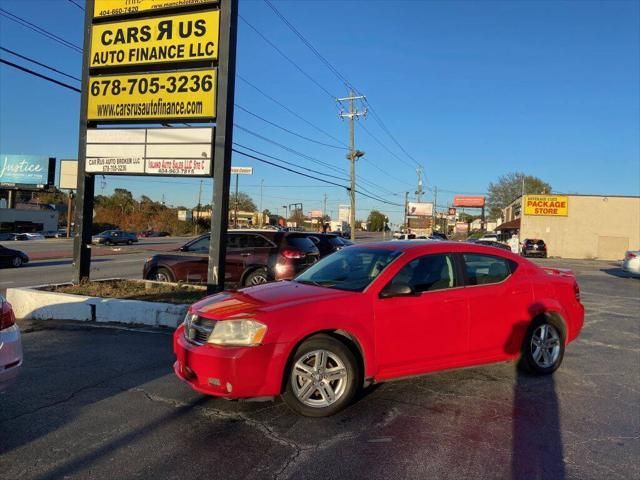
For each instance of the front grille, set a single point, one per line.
(197, 329)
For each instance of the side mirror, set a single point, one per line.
(399, 289)
(183, 249)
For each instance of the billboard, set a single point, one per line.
(420, 209)
(468, 201)
(344, 212)
(68, 175)
(28, 171)
(314, 214)
(112, 8)
(546, 205)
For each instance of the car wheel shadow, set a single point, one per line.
(618, 272)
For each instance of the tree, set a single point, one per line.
(376, 221)
(297, 217)
(509, 187)
(245, 202)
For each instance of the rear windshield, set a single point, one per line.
(301, 242)
(336, 241)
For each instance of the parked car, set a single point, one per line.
(328, 243)
(490, 237)
(4, 237)
(114, 237)
(533, 247)
(11, 351)
(631, 262)
(376, 312)
(492, 243)
(12, 258)
(49, 234)
(440, 235)
(33, 236)
(152, 233)
(253, 257)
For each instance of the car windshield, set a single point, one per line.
(349, 269)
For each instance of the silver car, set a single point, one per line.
(631, 262)
(10, 345)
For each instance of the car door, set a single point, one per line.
(428, 329)
(238, 253)
(499, 298)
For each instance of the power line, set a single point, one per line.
(39, 63)
(266, 95)
(44, 77)
(293, 62)
(40, 30)
(76, 4)
(289, 131)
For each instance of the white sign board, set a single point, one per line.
(68, 174)
(150, 151)
(415, 209)
(241, 170)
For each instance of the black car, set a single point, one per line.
(12, 258)
(13, 237)
(328, 243)
(534, 247)
(114, 237)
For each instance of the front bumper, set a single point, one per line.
(631, 265)
(10, 355)
(230, 372)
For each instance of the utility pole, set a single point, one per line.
(261, 214)
(435, 205)
(69, 210)
(324, 212)
(198, 207)
(235, 205)
(353, 154)
(419, 190)
(406, 209)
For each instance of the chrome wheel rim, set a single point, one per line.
(258, 280)
(162, 277)
(319, 379)
(545, 346)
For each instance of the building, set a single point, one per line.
(30, 220)
(576, 226)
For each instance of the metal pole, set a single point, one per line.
(435, 205)
(223, 142)
(261, 214)
(235, 205)
(69, 212)
(406, 208)
(352, 148)
(83, 215)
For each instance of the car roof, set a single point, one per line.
(435, 246)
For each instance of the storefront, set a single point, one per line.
(577, 226)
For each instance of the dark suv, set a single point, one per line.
(253, 257)
(533, 247)
(328, 243)
(114, 237)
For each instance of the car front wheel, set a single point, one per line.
(322, 379)
(257, 277)
(543, 347)
(162, 275)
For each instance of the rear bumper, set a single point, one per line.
(230, 372)
(631, 265)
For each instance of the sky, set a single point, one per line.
(470, 90)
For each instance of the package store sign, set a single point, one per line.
(177, 38)
(151, 151)
(182, 95)
(112, 8)
(546, 205)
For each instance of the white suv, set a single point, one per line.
(10, 344)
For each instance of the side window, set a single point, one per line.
(428, 273)
(485, 269)
(201, 245)
(258, 241)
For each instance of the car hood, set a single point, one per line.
(263, 299)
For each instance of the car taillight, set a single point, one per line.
(631, 255)
(7, 318)
(576, 289)
(292, 253)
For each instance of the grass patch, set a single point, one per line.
(131, 290)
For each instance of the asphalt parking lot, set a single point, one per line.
(103, 403)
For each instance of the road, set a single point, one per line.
(103, 403)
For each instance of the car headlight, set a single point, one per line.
(237, 333)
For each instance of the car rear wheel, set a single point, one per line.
(107, 242)
(543, 347)
(16, 262)
(162, 275)
(257, 277)
(129, 242)
(322, 378)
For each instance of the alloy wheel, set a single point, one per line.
(545, 345)
(319, 378)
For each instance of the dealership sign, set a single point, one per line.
(26, 170)
(468, 201)
(546, 205)
(111, 8)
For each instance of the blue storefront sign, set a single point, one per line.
(26, 170)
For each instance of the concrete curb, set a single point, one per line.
(31, 303)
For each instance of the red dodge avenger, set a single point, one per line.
(377, 312)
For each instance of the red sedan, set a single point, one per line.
(377, 312)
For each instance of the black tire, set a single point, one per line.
(129, 242)
(344, 392)
(256, 277)
(161, 274)
(107, 243)
(530, 360)
(16, 262)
